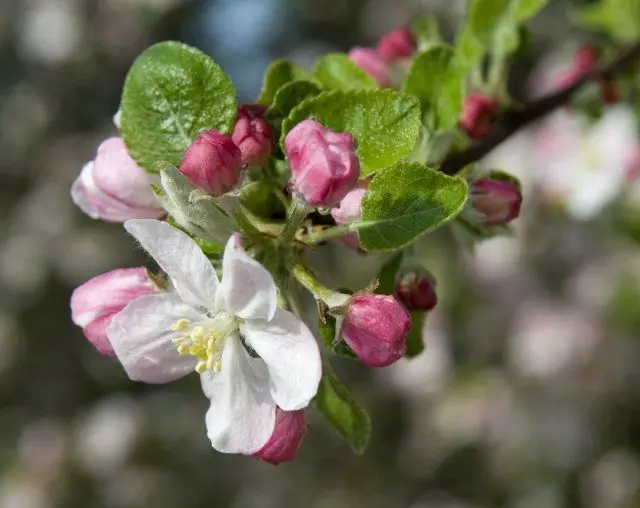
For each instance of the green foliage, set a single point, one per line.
(406, 200)
(436, 78)
(415, 344)
(338, 407)
(385, 123)
(279, 74)
(290, 95)
(620, 19)
(388, 274)
(258, 197)
(492, 26)
(171, 94)
(337, 71)
(426, 31)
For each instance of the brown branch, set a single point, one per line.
(511, 120)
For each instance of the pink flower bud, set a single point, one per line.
(498, 201)
(372, 63)
(586, 58)
(350, 210)
(94, 304)
(114, 188)
(284, 443)
(324, 166)
(417, 291)
(253, 135)
(478, 114)
(376, 328)
(397, 45)
(213, 163)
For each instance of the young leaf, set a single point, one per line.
(620, 19)
(385, 123)
(278, 74)
(436, 78)
(292, 94)
(426, 31)
(337, 71)
(340, 410)
(387, 275)
(405, 201)
(171, 94)
(415, 344)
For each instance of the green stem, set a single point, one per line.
(326, 234)
(320, 291)
(296, 218)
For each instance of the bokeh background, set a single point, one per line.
(528, 393)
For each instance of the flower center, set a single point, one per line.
(590, 157)
(204, 341)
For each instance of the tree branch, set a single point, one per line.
(511, 120)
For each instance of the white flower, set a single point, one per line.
(209, 326)
(587, 168)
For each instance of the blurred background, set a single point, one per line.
(528, 393)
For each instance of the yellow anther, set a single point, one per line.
(197, 332)
(201, 367)
(183, 349)
(181, 324)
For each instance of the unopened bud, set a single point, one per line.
(212, 163)
(397, 45)
(375, 328)
(372, 63)
(417, 291)
(284, 443)
(94, 304)
(253, 135)
(350, 210)
(498, 201)
(324, 166)
(478, 114)
(114, 188)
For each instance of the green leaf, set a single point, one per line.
(620, 19)
(415, 343)
(337, 71)
(340, 410)
(258, 197)
(385, 123)
(171, 94)
(405, 201)
(492, 26)
(436, 78)
(426, 31)
(279, 74)
(327, 329)
(387, 275)
(292, 94)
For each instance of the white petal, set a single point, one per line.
(241, 418)
(247, 288)
(180, 257)
(292, 356)
(141, 338)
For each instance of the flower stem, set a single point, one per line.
(320, 291)
(296, 218)
(326, 234)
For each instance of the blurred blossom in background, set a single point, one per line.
(527, 393)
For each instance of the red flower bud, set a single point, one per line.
(372, 63)
(478, 114)
(350, 210)
(94, 304)
(417, 291)
(397, 45)
(284, 443)
(253, 135)
(212, 163)
(586, 58)
(324, 166)
(498, 201)
(376, 328)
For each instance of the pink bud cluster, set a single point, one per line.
(214, 162)
(585, 60)
(417, 291)
(478, 114)
(392, 49)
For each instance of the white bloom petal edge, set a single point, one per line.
(192, 274)
(292, 356)
(241, 418)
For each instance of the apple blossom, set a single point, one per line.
(397, 45)
(114, 188)
(94, 303)
(253, 135)
(497, 201)
(251, 355)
